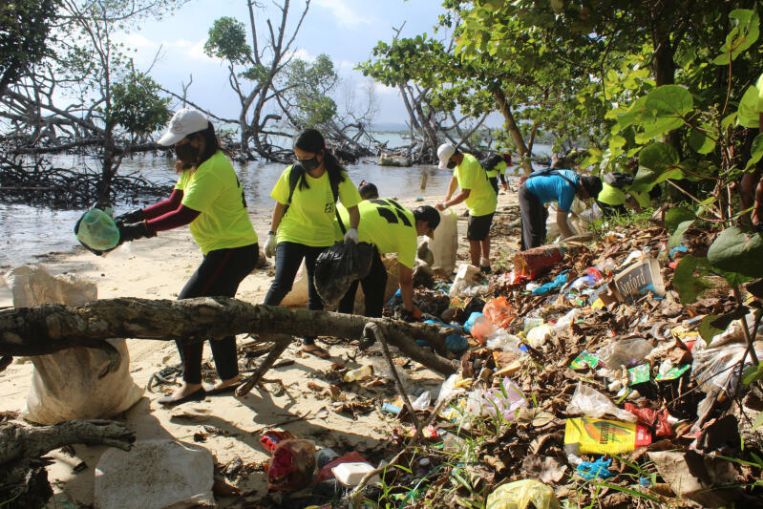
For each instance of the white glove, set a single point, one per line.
(270, 246)
(351, 236)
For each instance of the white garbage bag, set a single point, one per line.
(444, 245)
(72, 383)
(155, 474)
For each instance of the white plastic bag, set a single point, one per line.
(444, 246)
(589, 402)
(71, 384)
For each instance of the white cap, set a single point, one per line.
(444, 153)
(185, 121)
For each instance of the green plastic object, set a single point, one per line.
(97, 231)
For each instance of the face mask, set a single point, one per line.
(187, 154)
(309, 164)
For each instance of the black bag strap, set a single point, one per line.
(549, 172)
(297, 174)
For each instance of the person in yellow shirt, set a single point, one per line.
(208, 196)
(390, 228)
(480, 198)
(496, 165)
(304, 219)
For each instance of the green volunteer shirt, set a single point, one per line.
(498, 169)
(213, 189)
(482, 200)
(751, 106)
(388, 226)
(311, 217)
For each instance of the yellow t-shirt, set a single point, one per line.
(498, 169)
(751, 106)
(311, 217)
(388, 226)
(482, 200)
(611, 195)
(214, 190)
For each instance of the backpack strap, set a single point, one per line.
(551, 172)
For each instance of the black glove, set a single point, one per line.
(130, 232)
(130, 217)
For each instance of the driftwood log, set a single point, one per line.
(47, 329)
(23, 478)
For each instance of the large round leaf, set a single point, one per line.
(738, 251)
(658, 157)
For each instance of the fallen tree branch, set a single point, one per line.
(23, 479)
(47, 329)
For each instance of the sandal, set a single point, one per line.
(316, 350)
(213, 390)
(170, 401)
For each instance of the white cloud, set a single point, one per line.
(383, 89)
(344, 14)
(303, 54)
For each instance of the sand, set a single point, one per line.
(231, 427)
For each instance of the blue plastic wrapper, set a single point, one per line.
(470, 322)
(557, 283)
(598, 469)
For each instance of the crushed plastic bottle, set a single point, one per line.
(359, 374)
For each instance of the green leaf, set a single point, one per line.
(658, 157)
(678, 235)
(756, 152)
(662, 110)
(742, 36)
(737, 251)
(688, 285)
(700, 142)
(706, 329)
(752, 374)
(677, 215)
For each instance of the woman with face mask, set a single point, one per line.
(304, 219)
(208, 196)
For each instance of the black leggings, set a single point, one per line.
(533, 218)
(373, 285)
(289, 257)
(218, 276)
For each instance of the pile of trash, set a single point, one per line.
(584, 380)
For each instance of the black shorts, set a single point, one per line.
(479, 227)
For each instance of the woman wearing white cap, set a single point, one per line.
(208, 196)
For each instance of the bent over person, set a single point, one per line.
(546, 186)
(390, 228)
(208, 196)
(480, 198)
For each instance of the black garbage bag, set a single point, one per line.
(337, 267)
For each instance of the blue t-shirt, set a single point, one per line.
(554, 187)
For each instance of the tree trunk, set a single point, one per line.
(47, 329)
(23, 479)
(516, 135)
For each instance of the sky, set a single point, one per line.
(346, 30)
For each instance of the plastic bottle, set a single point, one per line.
(361, 373)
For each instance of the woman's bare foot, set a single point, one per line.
(316, 350)
(186, 392)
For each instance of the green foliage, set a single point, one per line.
(307, 88)
(756, 152)
(137, 106)
(707, 330)
(737, 251)
(24, 29)
(744, 34)
(227, 41)
(677, 215)
(688, 285)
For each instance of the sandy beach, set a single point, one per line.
(228, 427)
